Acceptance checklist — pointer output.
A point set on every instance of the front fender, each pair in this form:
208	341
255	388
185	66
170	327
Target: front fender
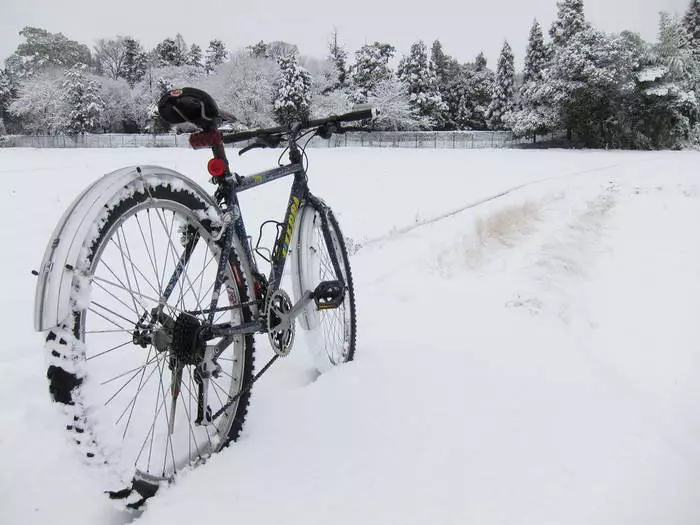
52	304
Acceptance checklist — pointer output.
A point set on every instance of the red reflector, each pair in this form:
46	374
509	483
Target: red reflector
216	167
205	139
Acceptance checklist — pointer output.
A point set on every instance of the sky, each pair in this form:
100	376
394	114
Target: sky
464	27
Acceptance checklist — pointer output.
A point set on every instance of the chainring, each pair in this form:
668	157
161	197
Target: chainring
279	303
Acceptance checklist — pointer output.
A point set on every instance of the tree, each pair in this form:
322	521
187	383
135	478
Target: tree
154	122
338	55
530	117
691	22
244	86
134	62
503	90
371	67
418	75
82	97
168	53
451	80
570	20
109	55
292	91
258	50
473	94
536	55
585	84
36	104
215	55
42	49
194	56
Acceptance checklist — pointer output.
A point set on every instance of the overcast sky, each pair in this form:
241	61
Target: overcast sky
464	27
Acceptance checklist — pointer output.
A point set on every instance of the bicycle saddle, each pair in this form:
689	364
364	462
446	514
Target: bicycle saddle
189	105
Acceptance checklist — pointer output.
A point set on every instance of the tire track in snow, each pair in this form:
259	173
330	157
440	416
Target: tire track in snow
394	233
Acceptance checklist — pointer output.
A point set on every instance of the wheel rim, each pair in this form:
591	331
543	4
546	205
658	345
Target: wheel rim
130	387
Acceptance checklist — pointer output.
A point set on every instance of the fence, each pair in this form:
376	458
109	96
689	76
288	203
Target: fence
377	139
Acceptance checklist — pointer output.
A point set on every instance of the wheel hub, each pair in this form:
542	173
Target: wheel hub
187	346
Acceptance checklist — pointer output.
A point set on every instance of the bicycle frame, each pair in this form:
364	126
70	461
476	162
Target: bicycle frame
234	225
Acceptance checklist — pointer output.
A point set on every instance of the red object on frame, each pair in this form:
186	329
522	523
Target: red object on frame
216	167
205	139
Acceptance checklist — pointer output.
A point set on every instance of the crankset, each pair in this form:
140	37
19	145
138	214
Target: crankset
280	323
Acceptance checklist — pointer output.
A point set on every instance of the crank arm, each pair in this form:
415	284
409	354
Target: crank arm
286	319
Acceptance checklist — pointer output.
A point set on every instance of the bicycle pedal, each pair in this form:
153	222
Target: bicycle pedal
329	294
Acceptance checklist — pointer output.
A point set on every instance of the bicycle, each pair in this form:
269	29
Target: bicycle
151	295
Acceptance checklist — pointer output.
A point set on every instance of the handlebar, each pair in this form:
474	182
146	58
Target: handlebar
362	112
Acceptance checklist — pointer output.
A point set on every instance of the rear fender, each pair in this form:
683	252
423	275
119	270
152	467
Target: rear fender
63	261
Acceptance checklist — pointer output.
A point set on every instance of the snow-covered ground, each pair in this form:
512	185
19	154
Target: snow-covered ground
533	359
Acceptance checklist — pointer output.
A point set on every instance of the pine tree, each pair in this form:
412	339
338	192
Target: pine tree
529	118
691	22
258	50
570	20
216	55
371	68
292	91
134	62
338	55
82	96
536	54
503	90
194	56
474	95
169	53
418	75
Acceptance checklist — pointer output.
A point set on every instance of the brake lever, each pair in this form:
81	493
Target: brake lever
253	146
271	141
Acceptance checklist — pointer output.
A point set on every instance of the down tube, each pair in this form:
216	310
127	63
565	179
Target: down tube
296	197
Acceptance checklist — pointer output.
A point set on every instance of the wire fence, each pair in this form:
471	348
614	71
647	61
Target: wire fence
377	139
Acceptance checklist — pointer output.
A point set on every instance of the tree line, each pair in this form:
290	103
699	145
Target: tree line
594	89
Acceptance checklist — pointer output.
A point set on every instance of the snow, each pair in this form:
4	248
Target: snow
529	358
650	74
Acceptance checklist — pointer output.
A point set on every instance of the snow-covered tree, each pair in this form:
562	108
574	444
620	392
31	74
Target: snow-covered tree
169	53
451	81
396	114
584	84
570	20
371	67
134	62
473	94
216	55
41	111
531	116
109	55
502	98
691	23
41	49
154	123
292	91
338	56
418	75
244	87
536	54
125	109
194	56
82	96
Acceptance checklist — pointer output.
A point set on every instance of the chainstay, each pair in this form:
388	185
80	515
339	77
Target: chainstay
245	389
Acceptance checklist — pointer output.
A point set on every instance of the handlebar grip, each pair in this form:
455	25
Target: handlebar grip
362	112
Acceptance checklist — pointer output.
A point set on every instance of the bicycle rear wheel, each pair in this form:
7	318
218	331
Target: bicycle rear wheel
330	334
125	366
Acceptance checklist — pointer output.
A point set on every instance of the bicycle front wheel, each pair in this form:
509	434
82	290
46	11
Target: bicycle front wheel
329	333
127	366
